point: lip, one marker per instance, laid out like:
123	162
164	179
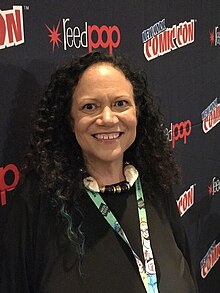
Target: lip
107	136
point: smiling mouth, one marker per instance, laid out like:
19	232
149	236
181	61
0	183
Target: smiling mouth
107	136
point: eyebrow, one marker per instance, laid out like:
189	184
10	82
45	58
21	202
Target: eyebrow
98	98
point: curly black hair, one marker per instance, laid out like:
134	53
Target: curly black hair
57	156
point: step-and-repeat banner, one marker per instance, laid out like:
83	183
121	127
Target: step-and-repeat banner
177	42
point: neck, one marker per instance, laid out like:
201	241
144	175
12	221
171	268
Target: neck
106	173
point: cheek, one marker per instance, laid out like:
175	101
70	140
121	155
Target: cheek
76	123
81	126
134	123
79	136
130	122
77	129
132	119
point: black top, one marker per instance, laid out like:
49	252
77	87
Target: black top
35	257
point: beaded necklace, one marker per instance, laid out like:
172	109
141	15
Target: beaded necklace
130	173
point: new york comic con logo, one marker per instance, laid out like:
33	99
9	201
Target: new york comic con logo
214	37
159	40
11	27
186	200
211	116
90	36
210	259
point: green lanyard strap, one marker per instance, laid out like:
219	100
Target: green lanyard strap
147	271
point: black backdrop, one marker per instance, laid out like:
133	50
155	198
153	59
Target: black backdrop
180	49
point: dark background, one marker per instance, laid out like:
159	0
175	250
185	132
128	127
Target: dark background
184	82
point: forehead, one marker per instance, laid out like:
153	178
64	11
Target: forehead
102	70
103	77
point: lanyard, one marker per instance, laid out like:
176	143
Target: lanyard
147	270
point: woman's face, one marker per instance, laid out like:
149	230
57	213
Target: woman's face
103	113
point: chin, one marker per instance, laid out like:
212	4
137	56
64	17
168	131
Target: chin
109	156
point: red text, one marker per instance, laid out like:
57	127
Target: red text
180	131
170	39
211	120
210	259
92	36
4	184
11	27
186	200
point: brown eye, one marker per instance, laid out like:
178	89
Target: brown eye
121	103
89	106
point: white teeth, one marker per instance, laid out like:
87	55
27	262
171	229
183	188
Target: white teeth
106	136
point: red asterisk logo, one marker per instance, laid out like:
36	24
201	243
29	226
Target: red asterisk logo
54	35
211	37
210	188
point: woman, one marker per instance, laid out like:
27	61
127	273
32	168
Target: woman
97	213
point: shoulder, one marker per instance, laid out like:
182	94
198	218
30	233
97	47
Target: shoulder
177	227
29	212
26	202
165	205
27	226
29	191
29	184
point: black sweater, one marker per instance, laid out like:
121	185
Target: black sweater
37	257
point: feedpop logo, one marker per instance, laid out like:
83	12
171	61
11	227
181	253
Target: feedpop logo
54	35
9	177
214	37
90	36
214	186
179	131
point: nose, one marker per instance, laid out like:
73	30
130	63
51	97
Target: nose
107	117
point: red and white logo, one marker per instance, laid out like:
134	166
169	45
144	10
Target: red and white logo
9	177
179	131
214	186
214	37
186	200
90	36
211	116
159	40
210	259
11	27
